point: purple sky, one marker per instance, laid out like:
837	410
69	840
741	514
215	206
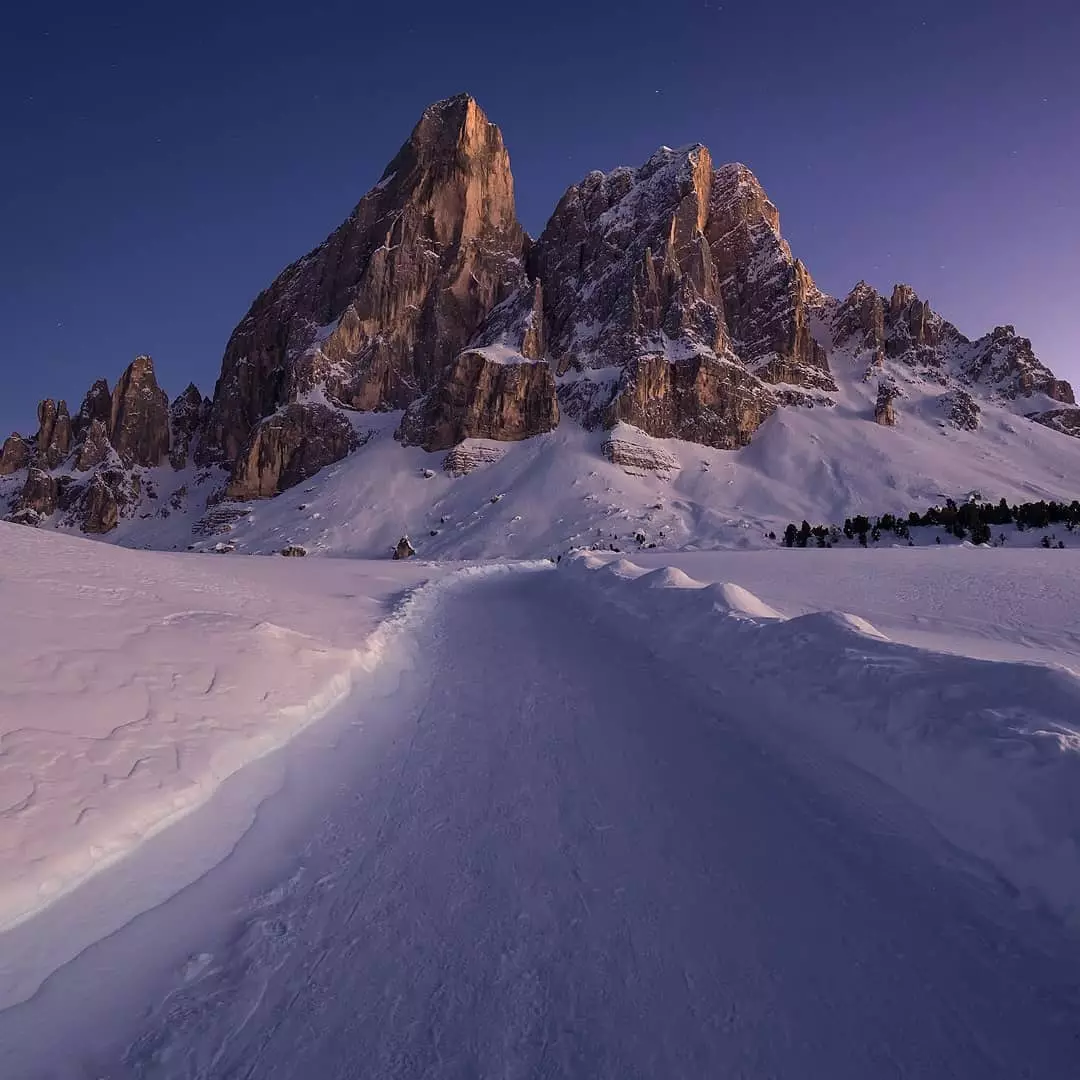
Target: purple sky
159	168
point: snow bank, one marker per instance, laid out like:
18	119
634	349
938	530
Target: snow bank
990	750
132	684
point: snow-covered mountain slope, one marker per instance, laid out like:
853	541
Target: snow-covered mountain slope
542	496
659	303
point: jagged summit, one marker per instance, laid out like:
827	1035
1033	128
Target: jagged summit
661	299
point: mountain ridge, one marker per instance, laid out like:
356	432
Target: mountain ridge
661	299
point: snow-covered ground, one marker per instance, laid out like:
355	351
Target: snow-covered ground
558	491
786	812
133	683
989	749
563	851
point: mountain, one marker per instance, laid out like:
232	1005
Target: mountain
657	357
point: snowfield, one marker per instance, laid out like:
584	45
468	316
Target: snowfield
298	814
990	750
133	683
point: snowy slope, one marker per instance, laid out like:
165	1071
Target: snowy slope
135	683
558	490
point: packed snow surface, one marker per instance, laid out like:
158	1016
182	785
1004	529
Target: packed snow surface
133	683
789	812
561	852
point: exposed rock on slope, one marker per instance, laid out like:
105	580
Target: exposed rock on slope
288	447
54	433
1067	421
376	312
15	454
139	421
479	396
38	498
907	330
884	409
187	415
702	399
95	447
962	410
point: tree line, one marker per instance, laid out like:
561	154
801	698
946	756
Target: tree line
972	520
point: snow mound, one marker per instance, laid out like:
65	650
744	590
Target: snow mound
668	577
738	602
622	569
832	623
989	750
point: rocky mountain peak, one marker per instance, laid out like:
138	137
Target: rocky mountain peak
187	414
375	314
139	417
739	204
15	454
53	439
97	405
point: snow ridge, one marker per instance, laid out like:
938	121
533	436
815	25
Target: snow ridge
989	751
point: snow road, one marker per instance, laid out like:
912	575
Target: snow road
567	862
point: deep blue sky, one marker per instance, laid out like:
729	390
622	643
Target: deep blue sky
161	163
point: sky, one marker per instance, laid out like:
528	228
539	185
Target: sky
162	163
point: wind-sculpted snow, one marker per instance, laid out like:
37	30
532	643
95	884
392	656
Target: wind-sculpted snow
138	682
990	750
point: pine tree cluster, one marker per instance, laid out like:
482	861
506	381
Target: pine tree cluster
970	520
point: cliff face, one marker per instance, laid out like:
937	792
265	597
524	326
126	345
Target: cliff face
376	313
89	468
662	298
907	332
290	446
479	396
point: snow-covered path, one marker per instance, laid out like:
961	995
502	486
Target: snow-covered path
568	862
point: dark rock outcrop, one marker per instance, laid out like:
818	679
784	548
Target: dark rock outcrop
708	401
884	409
1067	421
479	397
15	455
95	447
100	506
962	410
97	405
186	417
139	417
637	457
39	495
385	304
288	447
404	549
53	439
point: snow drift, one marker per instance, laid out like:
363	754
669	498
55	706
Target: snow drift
135	683
989	750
